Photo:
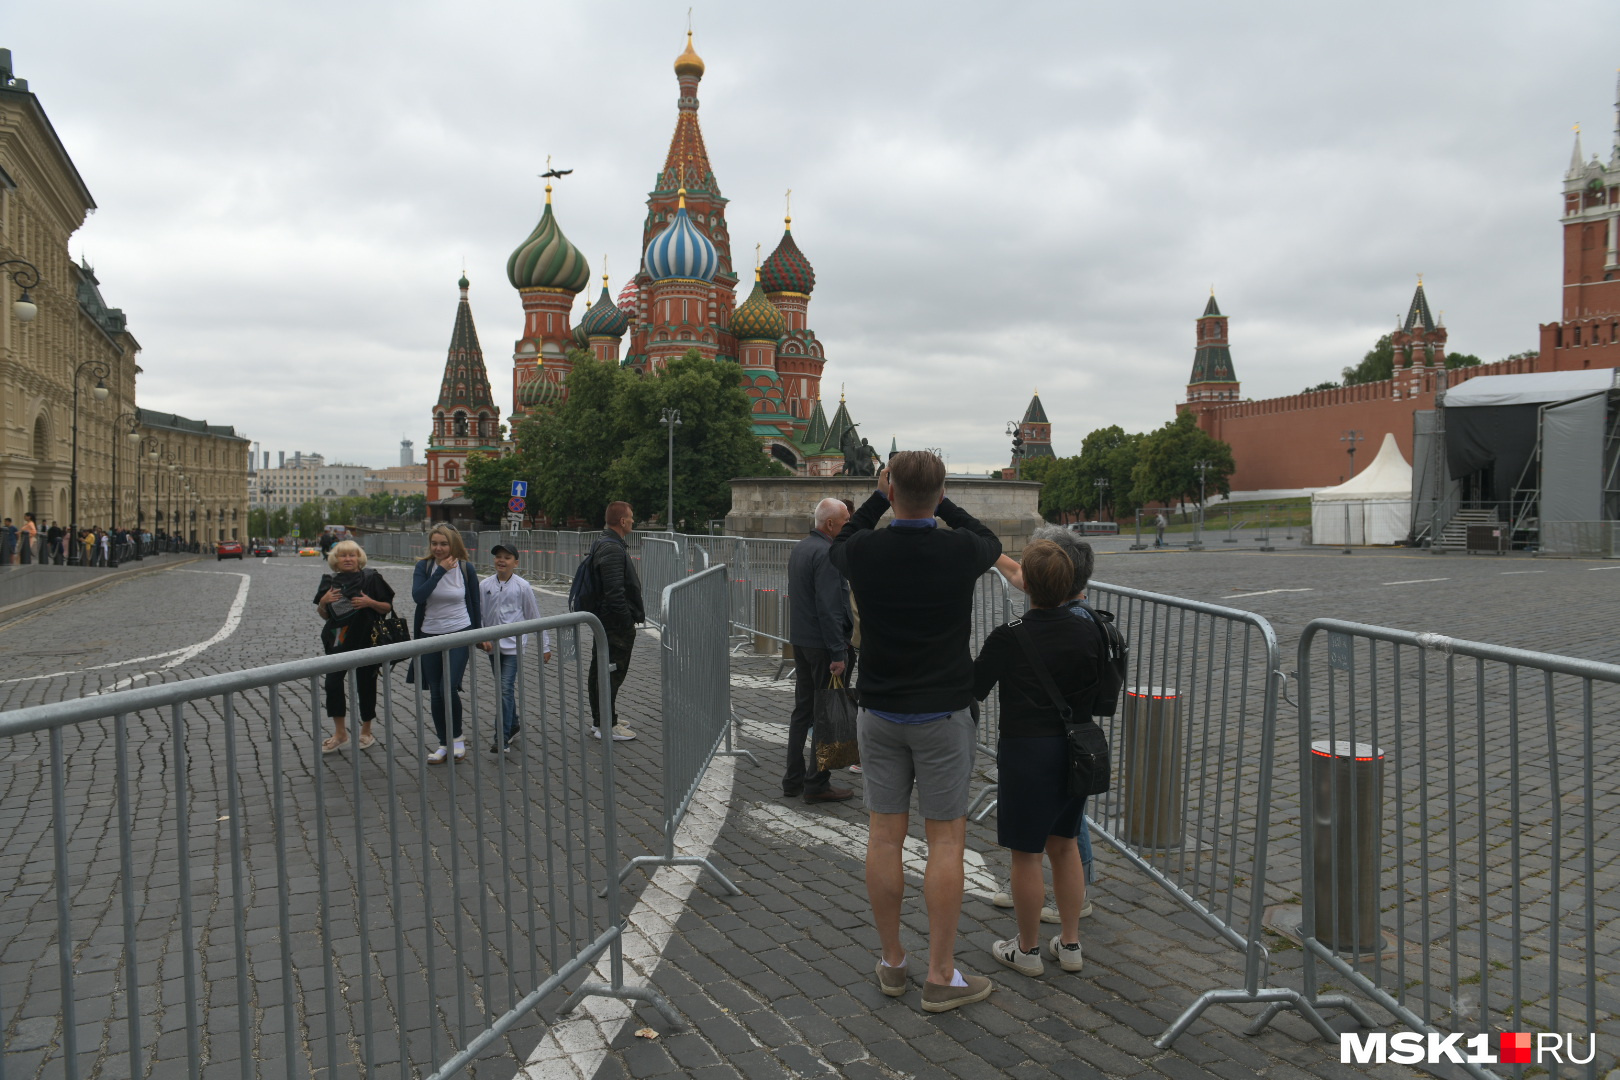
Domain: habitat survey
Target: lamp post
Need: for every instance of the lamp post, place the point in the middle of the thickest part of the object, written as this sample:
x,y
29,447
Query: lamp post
x,y
134,436
1198,529
26,277
100,390
147,445
671,419
1101,484
1351,437
1017,432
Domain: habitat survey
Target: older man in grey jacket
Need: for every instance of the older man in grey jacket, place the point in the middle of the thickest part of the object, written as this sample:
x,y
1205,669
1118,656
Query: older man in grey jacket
x,y
820,631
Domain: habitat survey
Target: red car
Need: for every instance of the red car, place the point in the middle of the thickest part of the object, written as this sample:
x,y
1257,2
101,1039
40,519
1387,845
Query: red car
x,y
228,549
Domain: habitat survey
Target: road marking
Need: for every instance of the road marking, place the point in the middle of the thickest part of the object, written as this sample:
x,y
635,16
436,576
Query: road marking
x,y
1416,580
1603,567
1263,592
1506,572
232,620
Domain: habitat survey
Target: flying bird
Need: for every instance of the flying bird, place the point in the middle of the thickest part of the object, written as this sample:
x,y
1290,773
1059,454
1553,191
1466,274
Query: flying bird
x,y
555,172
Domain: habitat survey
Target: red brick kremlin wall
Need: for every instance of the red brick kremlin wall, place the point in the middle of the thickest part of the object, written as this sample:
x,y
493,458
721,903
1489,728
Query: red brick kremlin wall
x,y
1293,442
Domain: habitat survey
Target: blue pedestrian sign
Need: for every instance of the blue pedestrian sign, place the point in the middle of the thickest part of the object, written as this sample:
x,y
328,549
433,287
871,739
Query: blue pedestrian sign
x,y
520,489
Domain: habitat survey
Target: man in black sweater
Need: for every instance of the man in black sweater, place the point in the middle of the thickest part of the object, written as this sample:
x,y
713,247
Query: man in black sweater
x,y
619,607
915,583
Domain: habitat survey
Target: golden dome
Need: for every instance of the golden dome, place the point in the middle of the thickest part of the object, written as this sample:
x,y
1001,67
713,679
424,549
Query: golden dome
x,y
689,62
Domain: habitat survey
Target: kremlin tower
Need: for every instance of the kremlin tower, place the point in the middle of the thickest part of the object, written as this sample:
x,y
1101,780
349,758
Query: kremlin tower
x,y
465,418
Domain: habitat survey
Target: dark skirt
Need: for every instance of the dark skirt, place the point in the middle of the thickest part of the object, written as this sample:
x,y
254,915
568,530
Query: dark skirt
x,y
1032,800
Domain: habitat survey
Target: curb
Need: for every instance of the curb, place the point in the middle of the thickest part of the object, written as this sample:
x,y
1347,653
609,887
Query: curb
x,y
23,607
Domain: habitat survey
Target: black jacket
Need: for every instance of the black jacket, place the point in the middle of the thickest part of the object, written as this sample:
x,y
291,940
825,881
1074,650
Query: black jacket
x,y
1072,650
915,588
619,604
820,612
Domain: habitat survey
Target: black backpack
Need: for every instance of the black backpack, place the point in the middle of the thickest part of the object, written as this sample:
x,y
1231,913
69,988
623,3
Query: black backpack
x,y
1116,663
585,592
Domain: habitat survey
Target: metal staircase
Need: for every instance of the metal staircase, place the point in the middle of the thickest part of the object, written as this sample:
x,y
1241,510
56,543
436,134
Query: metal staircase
x,y
1454,537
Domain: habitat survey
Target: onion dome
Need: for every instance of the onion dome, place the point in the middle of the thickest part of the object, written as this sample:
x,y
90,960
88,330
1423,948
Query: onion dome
x,y
757,318
681,251
539,392
604,319
629,296
547,260
689,62
463,283
787,270
582,338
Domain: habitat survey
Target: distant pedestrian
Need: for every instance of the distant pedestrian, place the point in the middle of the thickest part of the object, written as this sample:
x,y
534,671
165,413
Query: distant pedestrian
x,y
506,598
1158,529
351,599
53,541
916,584
619,607
29,537
820,633
8,541
445,588
1034,812
327,540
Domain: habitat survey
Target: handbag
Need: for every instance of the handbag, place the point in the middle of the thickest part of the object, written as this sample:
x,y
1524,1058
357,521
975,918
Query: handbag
x,y
389,630
1090,771
835,742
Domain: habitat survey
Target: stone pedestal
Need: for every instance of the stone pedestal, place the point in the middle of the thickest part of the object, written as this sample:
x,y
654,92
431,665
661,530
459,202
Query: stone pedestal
x,y
784,507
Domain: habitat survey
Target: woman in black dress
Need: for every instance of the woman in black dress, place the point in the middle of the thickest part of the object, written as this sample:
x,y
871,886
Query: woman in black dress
x,y
351,599
1035,815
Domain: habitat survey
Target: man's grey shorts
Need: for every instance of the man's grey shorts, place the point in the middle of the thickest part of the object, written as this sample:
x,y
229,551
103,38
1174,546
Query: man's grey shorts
x,y
937,755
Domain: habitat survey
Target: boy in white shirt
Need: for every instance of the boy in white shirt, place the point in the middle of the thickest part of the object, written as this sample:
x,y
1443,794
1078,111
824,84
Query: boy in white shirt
x,y
506,598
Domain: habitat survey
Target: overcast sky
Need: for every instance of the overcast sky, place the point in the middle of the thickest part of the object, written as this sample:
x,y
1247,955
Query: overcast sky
x,y
996,198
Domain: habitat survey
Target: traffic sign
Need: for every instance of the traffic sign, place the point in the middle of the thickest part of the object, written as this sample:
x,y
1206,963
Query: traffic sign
x,y
520,489
516,505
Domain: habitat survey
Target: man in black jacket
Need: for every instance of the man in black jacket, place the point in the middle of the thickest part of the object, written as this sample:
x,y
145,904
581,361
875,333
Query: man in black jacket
x,y
821,625
915,583
619,607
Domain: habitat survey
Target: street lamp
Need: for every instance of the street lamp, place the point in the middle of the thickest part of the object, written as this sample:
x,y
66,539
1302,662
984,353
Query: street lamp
x,y
149,446
100,391
134,436
1198,529
1015,429
672,419
27,277
1351,437
1101,484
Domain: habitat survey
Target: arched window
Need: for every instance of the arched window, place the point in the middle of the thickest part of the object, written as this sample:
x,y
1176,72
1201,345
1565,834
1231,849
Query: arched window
x,y
41,438
450,471
461,425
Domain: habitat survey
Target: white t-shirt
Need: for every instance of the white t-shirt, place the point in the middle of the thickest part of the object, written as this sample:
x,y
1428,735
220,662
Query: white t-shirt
x,y
447,605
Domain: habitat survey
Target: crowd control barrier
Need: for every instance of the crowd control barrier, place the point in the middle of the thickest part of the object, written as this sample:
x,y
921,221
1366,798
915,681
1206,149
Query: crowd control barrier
x,y
696,679
208,890
1459,868
1193,746
662,564
992,606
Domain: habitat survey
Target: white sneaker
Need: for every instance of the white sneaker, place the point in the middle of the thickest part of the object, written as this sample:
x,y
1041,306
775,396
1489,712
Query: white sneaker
x,y
438,756
1025,963
623,734
461,750
1067,955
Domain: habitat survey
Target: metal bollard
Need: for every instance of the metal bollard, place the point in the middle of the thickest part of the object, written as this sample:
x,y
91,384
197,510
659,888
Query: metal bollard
x,y
1153,797
1347,784
764,622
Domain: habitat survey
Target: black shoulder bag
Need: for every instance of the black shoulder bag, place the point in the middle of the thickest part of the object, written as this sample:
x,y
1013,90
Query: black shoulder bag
x,y
1089,766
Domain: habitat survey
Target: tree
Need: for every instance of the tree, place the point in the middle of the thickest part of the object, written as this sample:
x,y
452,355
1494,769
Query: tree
x,y
1461,359
1107,454
1330,384
310,517
280,523
1060,490
713,444
258,522
570,448
1378,364
488,482
1166,468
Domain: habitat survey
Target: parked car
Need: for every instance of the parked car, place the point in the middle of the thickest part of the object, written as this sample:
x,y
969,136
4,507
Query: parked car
x,y
228,549
262,548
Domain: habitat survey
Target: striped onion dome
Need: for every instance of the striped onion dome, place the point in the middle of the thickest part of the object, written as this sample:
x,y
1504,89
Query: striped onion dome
x,y
539,392
757,319
681,251
787,270
582,337
547,260
628,299
604,319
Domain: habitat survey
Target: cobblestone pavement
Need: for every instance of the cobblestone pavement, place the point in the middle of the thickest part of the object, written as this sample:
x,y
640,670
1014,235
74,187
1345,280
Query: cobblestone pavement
x,y
777,982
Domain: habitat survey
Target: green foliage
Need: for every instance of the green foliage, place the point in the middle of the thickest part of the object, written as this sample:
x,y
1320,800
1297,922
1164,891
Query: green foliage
x,y
488,482
258,523
1378,364
280,523
1107,454
1166,470
569,449
310,517
1461,359
1331,384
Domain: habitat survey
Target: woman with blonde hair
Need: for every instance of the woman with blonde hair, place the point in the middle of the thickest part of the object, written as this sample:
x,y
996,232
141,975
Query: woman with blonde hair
x,y
445,588
350,599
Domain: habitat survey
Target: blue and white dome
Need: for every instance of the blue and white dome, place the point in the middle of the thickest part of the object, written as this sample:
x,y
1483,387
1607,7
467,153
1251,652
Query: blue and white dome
x,y
681,251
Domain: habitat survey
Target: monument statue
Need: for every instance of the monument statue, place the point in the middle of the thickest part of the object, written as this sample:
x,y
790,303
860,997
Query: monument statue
x,y
859,459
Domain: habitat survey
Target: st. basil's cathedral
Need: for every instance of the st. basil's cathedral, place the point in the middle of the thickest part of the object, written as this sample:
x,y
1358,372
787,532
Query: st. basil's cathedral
x,y
684,296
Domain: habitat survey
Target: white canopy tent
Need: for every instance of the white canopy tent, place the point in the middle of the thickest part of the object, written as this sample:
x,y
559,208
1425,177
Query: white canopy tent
x,y
1373,507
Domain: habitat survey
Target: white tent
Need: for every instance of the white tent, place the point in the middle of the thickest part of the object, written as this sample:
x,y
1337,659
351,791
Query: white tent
x,y
1375,506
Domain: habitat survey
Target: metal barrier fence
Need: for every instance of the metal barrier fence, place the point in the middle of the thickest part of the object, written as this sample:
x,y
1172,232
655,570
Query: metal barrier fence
x,y
253,903
662,564
992,606
1600,538
1193,744
697,721
1462,851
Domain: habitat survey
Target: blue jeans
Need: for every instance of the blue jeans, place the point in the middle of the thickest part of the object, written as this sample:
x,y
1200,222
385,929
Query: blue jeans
x,y
433,686
1084,836
506,669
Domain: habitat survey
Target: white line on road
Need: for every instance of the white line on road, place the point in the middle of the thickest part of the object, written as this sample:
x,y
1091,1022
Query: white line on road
x,y
1603,567
1417,580
1506,572
1263,592
232,620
